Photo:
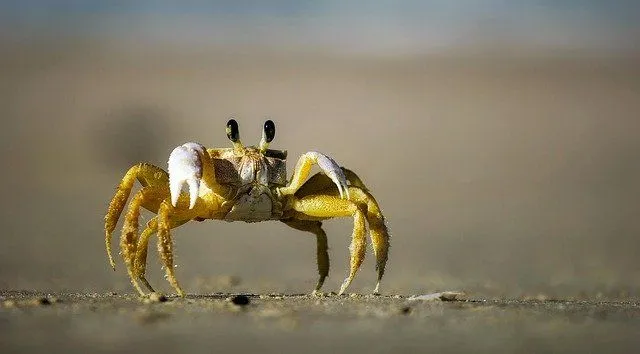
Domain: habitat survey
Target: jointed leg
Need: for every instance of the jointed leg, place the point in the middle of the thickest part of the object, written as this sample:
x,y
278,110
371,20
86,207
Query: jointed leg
x,y
167,218
320,184
322,256
358,249
165,246
324,206
140,262
129,238
377,230
147,175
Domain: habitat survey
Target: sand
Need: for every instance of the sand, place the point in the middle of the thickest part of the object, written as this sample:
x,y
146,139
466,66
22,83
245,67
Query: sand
x,y
275,323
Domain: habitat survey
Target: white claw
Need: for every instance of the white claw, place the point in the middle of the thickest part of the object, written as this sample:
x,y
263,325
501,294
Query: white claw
x,y
331,168
194,191
185,166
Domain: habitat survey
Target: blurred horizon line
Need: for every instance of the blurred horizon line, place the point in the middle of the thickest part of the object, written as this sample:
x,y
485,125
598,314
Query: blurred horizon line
x,y
380,28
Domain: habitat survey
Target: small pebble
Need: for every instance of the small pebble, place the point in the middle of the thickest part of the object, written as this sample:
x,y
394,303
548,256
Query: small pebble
x,y
240,300
39,301
452,296
154,298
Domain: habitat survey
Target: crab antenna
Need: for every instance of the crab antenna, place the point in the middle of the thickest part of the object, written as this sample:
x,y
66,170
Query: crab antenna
x,y
268,133
233,133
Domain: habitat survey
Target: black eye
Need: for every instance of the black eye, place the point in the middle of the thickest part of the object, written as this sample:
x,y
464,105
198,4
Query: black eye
x,y
269,130
233,133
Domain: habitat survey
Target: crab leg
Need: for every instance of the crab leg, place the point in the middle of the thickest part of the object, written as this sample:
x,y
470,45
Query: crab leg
x,y
378,230
326,164
129,237
169,217
140,261
320,184
135,249
151,197
165,246
147,175
322,255
327,206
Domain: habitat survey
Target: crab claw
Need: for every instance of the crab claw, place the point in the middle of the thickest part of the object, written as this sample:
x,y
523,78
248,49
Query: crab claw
x,y
185,167
331,168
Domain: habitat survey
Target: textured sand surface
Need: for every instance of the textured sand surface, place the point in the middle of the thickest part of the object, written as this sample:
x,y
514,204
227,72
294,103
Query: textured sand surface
x,y
274,323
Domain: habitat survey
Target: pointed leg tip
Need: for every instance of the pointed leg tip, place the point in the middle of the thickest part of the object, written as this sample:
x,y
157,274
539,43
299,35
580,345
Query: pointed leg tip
x,y
112,263
345,284
145,282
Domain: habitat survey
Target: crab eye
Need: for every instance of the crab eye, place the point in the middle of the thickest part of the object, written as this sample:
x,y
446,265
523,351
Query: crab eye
x,y
233,133
269,130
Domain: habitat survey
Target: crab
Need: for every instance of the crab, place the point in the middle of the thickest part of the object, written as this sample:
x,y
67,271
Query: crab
x,y
242,183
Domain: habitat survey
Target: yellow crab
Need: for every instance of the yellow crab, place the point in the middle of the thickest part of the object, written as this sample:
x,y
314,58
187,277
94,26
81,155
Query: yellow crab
x,y
243,184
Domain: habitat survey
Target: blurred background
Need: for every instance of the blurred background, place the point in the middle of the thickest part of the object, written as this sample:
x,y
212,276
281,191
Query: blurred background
x,y
502,139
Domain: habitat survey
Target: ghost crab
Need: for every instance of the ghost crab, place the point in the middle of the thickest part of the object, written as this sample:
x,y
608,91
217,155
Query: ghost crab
x,y
242,184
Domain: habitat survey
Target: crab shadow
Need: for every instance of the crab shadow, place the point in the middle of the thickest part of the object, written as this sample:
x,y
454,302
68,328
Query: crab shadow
x,y
129,134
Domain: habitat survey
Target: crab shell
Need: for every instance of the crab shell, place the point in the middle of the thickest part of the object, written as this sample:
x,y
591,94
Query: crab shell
x,y
253,176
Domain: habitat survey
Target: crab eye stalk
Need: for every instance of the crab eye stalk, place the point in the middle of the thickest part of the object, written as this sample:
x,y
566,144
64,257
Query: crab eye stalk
x,y
268,133
233,133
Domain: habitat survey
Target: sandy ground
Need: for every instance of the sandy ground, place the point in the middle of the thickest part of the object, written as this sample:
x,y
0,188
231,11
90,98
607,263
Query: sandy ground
x,y
275,323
